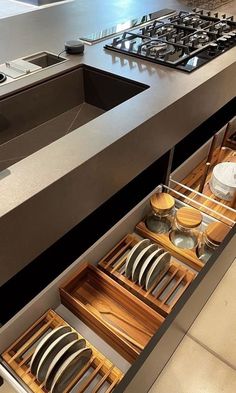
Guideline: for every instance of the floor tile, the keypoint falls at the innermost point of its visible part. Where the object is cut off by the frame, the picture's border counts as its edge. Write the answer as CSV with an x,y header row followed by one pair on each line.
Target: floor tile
x,y
215,327
192,369
6,388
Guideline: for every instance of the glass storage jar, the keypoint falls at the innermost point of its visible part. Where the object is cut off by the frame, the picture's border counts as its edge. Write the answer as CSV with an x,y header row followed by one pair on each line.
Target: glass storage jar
x,y
211,239
160,220
185,231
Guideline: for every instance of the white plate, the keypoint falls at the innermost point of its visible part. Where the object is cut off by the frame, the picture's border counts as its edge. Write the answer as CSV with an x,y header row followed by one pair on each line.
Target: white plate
x,y
133,255
72,366
141,258
58,360
158,266
52,351
147,264
44,344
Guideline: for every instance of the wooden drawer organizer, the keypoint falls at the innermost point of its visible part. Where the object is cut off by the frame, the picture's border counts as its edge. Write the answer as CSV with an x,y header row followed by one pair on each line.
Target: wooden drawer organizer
x,y
18,356
187,256
127,323
167,289
206,201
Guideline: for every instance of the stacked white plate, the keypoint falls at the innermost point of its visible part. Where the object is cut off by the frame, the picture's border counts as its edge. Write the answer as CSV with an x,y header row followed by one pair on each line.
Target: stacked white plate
x,y
146,262
58,357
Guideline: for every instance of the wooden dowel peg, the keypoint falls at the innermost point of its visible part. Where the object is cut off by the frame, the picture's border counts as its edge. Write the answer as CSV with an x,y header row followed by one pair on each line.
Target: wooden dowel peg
x,y
204,176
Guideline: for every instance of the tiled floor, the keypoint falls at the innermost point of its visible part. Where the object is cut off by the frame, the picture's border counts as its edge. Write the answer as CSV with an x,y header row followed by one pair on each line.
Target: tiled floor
x,y
205,361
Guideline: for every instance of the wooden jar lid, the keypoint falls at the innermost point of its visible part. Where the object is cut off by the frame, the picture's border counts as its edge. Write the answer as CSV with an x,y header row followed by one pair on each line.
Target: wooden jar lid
x,y
216,232
189,217
162,201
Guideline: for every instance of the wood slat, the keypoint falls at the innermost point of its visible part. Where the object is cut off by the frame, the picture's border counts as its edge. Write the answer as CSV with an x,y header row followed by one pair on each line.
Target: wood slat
x,y
187,256
193,181
176,275
13,357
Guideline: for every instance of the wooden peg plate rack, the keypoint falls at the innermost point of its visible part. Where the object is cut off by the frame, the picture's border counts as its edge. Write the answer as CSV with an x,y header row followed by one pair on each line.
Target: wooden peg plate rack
x,y
127,323
168,287
189,257
193,180
99,368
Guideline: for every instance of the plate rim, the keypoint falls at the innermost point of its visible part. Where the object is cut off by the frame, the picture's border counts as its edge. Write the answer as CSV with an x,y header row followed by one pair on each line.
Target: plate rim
x,y
132,251
139,258
155,263
54,362
51,347
66,364
44,340
160,251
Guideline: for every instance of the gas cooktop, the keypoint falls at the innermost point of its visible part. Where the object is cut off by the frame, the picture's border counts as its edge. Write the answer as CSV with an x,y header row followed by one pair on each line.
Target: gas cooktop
x,y
185,41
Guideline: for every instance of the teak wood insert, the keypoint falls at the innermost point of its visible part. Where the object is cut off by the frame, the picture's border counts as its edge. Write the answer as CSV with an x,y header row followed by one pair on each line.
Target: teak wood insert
x,y
185,255
19,354
193,181
168,287
127,323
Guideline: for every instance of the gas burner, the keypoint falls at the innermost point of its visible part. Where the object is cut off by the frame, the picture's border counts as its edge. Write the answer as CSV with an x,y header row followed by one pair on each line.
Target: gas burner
x,y
185,42
222,27
200,37
159,49
192,21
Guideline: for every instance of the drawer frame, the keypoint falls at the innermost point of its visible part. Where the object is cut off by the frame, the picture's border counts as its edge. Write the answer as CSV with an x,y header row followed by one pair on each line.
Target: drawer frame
x,y
145,369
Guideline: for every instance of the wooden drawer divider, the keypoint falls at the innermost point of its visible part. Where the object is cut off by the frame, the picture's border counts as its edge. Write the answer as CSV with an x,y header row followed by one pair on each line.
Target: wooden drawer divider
x,y
225,208
177,278
14,357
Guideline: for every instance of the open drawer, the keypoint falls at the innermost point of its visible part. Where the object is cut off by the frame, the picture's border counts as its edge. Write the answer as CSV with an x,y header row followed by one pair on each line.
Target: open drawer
x,y
174,308
193,178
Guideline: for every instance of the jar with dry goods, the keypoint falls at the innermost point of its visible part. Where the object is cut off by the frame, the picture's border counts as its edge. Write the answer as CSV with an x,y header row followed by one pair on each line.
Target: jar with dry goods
x,y
161,217
186,228
211,239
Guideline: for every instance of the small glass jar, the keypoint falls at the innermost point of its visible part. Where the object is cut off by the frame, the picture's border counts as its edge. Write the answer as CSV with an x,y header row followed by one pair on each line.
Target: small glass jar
x,y
161,218
211,239
185,231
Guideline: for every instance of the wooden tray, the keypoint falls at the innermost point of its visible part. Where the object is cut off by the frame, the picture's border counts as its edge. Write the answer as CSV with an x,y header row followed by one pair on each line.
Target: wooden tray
x,y
193,182
19,354
187,256
88,289
167,289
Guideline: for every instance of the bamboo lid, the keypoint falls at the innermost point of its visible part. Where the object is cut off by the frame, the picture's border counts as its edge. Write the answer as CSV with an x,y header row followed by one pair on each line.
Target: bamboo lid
x,y
216,232
189,217
162,201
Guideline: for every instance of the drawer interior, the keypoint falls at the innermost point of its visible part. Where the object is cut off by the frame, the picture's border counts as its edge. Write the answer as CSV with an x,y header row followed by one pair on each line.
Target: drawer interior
x,y
193,178
112,287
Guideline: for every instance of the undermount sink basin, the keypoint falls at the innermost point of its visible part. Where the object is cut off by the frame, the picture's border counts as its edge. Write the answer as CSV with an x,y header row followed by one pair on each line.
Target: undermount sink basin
x,y
39,2
39,115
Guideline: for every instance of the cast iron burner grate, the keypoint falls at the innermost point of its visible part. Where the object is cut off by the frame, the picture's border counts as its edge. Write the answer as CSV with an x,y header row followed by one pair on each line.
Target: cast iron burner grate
x,y
185,41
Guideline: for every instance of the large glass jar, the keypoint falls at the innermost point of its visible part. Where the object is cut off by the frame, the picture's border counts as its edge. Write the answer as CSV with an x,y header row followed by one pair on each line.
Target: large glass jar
x,y
211,239
185,230
161,217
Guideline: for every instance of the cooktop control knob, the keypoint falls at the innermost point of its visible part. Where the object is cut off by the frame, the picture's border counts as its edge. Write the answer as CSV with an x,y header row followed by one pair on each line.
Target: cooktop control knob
x,y
213,47
222,42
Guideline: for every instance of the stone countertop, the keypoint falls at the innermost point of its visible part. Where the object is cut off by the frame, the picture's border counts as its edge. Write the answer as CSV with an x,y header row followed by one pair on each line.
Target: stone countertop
x,y
114,147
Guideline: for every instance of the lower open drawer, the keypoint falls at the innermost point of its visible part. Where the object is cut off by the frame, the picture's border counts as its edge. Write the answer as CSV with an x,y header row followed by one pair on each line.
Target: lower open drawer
x,y
155,320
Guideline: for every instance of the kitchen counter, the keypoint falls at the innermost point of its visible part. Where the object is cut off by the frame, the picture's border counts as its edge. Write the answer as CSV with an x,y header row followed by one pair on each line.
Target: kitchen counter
x,y
46,194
